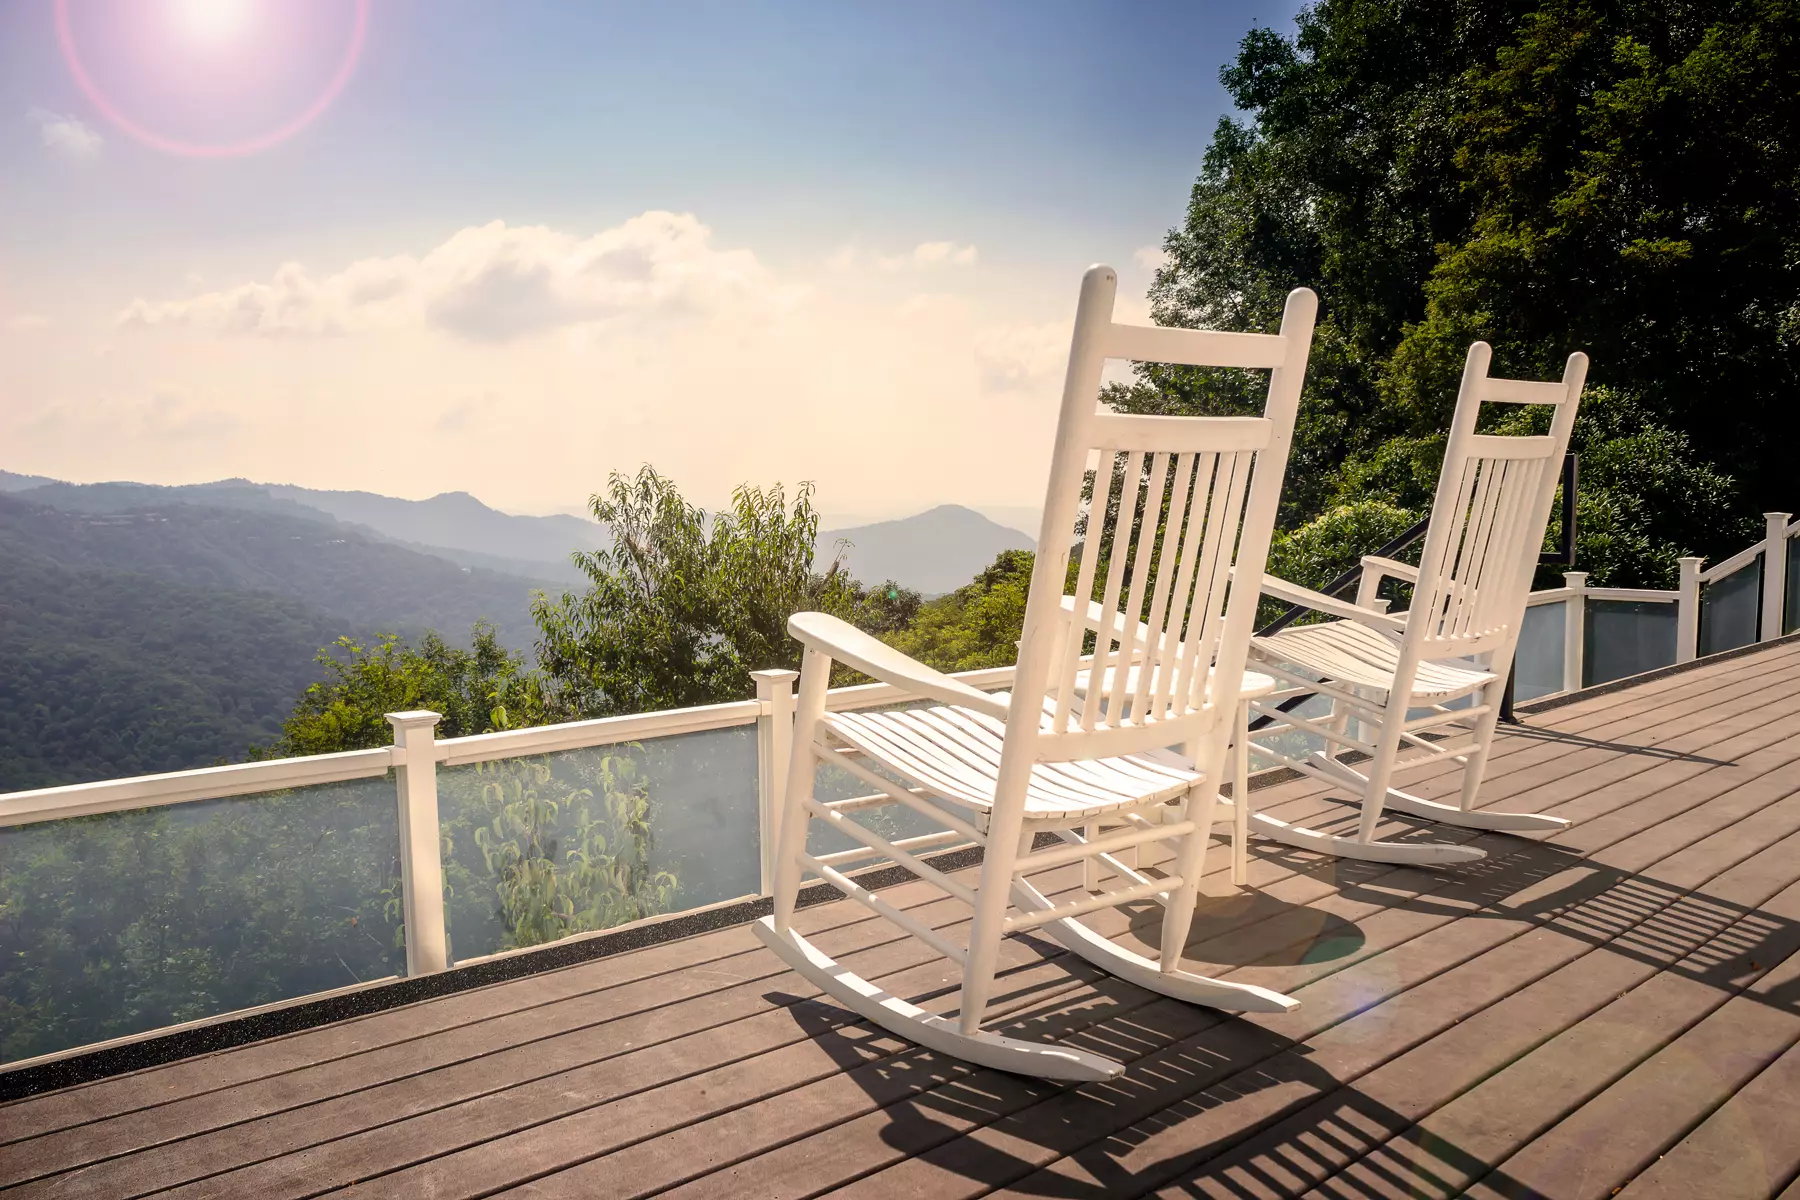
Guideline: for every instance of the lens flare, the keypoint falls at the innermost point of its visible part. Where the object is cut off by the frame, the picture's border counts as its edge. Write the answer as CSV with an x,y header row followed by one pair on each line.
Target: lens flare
x,y
215,22
216,29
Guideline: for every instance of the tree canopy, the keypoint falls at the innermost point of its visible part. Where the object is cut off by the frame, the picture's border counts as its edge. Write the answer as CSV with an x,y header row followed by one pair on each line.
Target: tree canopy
x,y
683,606
1620,178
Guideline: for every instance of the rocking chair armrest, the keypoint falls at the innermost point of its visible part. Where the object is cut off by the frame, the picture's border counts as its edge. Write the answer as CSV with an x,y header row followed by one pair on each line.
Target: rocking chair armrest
x,y
1293,593
846,643
1374,563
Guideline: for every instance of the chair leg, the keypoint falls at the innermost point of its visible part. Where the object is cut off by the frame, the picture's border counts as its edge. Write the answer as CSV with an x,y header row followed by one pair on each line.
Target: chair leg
x,y
1475,766
809,708
992,896
1340,723
1190,863
1240,799
1381,767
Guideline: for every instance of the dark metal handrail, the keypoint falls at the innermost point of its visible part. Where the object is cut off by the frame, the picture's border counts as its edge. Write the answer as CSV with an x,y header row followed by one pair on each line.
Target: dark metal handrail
x,y
1347,580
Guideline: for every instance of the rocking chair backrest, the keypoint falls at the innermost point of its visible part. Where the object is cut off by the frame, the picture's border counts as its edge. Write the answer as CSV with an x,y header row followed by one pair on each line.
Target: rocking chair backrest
x,y
1176,504
1489,515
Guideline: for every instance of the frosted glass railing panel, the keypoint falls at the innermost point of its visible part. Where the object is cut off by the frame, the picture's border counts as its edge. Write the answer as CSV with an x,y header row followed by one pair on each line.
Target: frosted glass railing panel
x,y
1538,661
541,847
1625,637
1728,609
1790,609
126,922
1294,743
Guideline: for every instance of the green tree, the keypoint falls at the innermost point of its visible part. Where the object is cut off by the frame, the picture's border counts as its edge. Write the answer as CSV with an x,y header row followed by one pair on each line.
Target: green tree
x,y
1547,176
535,848
683,606
477,690
565,841
978,625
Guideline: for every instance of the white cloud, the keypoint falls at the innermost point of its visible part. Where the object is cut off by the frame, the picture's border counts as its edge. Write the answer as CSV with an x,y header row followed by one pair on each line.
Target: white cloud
x,y
494,284
1021,357
1151,258
931,254
924,256
66,135
524,363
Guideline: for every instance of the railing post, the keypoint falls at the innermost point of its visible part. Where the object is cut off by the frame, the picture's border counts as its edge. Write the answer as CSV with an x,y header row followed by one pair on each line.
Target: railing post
x,y
774,745
1575,631
1774,574
421,855
1687,611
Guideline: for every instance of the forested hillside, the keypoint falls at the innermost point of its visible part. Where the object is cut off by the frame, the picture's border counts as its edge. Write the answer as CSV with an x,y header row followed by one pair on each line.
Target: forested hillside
x,y
364,582
110,673
170,637
453,525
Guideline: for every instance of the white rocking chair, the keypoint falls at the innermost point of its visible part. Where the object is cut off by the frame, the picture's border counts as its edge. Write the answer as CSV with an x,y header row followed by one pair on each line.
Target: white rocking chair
x,y
1399,675
1193,495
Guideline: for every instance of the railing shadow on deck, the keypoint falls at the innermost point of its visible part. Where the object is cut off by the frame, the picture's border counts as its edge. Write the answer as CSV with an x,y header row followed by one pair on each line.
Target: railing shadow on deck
x,y
1541,734
1186,1063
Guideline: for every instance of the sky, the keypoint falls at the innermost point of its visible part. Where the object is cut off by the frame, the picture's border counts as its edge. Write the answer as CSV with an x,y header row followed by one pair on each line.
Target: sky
x,y
415,246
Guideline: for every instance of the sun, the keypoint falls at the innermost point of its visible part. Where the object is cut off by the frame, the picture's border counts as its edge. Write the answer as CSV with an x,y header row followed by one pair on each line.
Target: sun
x,y
213,23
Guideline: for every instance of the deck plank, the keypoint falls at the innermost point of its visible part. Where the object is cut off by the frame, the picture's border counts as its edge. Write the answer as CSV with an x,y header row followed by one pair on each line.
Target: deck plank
x,y
1747,1148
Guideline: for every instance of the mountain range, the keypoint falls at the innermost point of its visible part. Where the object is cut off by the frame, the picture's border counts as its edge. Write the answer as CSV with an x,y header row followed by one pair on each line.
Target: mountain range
x,y
933,551
147,628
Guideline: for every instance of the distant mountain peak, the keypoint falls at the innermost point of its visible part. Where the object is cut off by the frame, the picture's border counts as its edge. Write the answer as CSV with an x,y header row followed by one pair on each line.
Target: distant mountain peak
x,y
935,551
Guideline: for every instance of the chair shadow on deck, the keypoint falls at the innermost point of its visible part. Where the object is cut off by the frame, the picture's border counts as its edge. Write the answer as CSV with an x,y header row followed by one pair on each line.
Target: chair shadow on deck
x,y
1244,1110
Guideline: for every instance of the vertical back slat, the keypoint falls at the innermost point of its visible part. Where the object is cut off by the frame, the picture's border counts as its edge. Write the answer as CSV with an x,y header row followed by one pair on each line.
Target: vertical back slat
x,y
1216,554
1514,557
1486,580
1115,575
1168,563
1481,529
1143,570
1084,590
1433,592
1167,680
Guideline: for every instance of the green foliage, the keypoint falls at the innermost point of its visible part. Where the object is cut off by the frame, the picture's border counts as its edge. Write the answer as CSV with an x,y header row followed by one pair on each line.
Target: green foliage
x,y
978,625
109,674
540,847
561,858
477,690
1335,540
1642,496
681,608
1544,175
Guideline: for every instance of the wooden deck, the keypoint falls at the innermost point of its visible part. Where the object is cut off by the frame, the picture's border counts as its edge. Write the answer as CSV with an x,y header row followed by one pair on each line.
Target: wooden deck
x,y
1616,1007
